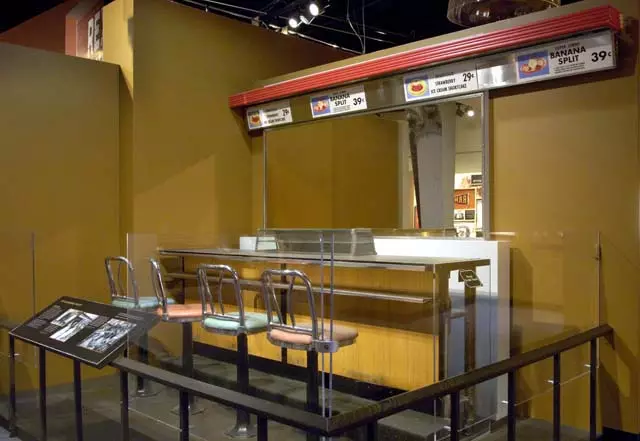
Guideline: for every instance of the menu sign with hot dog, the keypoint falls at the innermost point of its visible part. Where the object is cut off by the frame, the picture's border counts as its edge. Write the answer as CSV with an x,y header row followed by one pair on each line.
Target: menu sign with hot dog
x,y
578,55
350,99
273,114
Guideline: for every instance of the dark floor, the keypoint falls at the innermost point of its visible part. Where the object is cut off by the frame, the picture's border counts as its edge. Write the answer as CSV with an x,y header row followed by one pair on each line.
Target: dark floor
x,y
152,419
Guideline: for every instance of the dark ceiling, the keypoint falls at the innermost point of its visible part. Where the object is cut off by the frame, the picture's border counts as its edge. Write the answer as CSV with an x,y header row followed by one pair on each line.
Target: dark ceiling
x,y
12,13
355,25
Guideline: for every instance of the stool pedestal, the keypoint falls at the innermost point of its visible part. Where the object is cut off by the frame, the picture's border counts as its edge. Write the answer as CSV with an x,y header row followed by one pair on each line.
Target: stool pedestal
x,y
243,428
312,388
143,387
187,366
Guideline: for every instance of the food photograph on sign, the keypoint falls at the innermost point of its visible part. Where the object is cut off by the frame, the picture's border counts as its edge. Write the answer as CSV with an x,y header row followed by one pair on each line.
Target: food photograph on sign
x,y
533,65
254,120
416,87
320,106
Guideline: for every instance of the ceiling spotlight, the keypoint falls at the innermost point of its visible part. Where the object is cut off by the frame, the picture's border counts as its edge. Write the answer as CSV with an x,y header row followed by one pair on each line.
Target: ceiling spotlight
x,y
293,23
465,110
314,9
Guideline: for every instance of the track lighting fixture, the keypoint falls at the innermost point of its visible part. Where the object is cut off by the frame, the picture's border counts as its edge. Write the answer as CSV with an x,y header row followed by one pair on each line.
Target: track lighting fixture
x,y
307,14
305,17
293,23
314,9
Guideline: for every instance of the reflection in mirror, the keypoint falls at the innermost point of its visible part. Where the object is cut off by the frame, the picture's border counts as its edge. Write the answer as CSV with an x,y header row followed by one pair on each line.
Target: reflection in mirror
x,y
412,168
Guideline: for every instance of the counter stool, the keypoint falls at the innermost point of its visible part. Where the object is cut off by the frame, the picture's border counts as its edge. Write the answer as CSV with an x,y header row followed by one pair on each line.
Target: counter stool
x,y
186,315
238,324
310,336
123,298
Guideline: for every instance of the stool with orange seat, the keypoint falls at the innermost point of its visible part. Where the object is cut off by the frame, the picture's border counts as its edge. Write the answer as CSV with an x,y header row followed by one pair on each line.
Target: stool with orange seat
x,y
184,314
312,336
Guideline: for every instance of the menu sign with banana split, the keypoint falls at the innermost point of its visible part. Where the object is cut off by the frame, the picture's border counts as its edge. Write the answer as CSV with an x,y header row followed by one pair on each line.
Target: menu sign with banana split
x,y
350,99
578,55
443,81
273,114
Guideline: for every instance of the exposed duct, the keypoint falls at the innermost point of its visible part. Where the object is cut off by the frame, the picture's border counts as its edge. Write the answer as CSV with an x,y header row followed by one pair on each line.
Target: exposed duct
x,y
478,12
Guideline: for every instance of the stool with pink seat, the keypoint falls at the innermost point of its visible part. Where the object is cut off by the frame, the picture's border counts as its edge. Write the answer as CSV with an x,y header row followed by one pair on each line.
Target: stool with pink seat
x,y
312,335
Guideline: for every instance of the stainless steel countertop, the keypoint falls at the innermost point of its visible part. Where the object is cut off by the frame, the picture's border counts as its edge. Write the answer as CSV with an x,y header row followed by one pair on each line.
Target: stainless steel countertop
x,y
406,263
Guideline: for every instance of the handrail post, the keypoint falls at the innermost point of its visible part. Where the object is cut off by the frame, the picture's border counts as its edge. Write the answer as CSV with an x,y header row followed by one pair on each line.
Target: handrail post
x,y
13,427
372,431
511,406
124,404
184,415
455,416
263,431
42,371
556,397
593,391
77,398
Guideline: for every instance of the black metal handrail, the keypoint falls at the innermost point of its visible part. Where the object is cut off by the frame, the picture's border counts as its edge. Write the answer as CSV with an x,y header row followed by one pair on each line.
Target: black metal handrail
x,y
300,419
400,402
367,415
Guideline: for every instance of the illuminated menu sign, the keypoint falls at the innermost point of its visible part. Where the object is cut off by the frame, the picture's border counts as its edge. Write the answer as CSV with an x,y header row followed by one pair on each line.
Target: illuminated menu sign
x,y
270,115
350,99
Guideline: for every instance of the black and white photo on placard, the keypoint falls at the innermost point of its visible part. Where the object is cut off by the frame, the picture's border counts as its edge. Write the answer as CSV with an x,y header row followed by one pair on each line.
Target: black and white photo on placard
x,y
107,335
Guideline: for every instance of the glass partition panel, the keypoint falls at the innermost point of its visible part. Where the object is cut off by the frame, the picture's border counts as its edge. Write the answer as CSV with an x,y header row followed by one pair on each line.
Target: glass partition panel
x,y
553,294
17,304
534,414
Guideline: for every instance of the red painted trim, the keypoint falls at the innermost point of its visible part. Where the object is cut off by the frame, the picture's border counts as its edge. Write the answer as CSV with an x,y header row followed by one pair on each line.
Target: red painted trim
x,y
602,17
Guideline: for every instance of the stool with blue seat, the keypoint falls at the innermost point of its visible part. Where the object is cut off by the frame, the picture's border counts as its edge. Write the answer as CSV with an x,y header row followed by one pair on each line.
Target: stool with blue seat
x,y
312,336
130,299
238,324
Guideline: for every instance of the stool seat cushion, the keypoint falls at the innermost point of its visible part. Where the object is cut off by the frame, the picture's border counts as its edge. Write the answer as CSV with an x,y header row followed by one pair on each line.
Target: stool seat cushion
x,y
254,322
343,335
144,302
186,311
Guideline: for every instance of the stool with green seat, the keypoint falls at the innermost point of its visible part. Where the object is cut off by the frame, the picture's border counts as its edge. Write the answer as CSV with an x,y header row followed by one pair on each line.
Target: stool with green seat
x,y
239,324
123,298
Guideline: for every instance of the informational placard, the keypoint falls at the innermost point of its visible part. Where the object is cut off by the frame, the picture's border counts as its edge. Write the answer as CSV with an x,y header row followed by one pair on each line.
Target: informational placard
x,y
349,99
579,55
469,278
442,81
273,114
90,332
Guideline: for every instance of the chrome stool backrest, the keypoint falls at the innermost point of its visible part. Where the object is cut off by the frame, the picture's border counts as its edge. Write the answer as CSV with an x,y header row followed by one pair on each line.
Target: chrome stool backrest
x,y
207,298
272,305
158,285
117,290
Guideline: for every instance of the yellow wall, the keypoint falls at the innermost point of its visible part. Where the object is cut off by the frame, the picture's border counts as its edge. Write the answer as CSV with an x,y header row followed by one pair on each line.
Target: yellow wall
x,y
192,157
118,49
186,162
340,173
565,159
58,179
